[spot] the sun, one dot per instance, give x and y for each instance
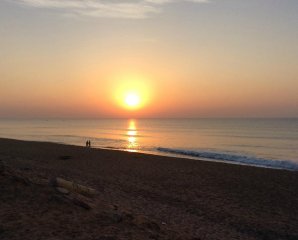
(131, 92)
(132, 100)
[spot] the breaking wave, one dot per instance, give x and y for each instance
(261, 162)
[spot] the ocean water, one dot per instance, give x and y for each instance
(259, 142)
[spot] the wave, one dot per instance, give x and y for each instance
(249, 160)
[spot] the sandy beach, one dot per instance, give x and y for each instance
(140, 196)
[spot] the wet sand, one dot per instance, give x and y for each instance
(140, 196)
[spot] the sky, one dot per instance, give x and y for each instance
(187, 58)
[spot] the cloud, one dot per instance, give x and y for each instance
(105, 8)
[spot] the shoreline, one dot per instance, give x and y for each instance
(156, 197)
(293, 168)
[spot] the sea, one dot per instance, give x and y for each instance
(270, 143)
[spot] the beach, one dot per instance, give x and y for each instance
(140, 196)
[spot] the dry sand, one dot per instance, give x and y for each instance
(140, 196)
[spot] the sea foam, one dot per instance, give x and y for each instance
(235, 158)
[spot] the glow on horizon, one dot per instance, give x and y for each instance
(138, 59)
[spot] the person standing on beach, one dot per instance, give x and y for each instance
(88, 143)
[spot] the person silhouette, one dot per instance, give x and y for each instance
(87, 143)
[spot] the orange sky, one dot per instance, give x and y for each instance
(185, 59)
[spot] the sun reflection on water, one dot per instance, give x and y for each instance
(132, 143)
